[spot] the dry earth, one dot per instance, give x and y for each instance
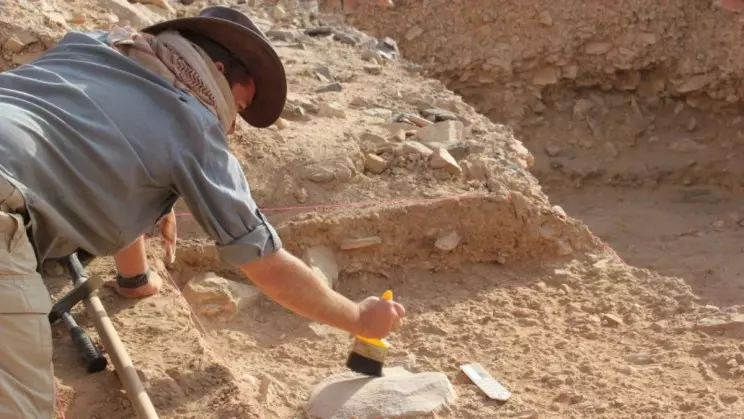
(630, 111)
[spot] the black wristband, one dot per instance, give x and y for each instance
(133, 282)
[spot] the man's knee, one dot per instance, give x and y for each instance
(26, 372)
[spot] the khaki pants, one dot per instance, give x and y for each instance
(26, 374)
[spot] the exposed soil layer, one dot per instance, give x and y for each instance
(503, 55)
(626, 112)
(631, 110)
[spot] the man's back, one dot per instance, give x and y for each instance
(84, 122)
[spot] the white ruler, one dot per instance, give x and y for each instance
(485, 381)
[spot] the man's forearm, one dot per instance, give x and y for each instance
(132, 261)
(289, 282)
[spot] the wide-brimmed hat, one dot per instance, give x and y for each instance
(238, 34)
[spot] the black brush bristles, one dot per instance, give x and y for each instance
(363, 365)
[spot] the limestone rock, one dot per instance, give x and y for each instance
(331, 110)
(441, 132)
(442, 159)
(478, 168)
(324, 74)
(448, 242)
(278, 13)
(398, 393)
(345, 38)
(281, 123)
(319, 174)
(375, 163)
(351, 244)
(418, 121)
(414, 147)
(18, 41)
(545, 18)
(461, 149)
(570, 71)
(323, 262)
(525, 159)
(545, 76)
(695, 83)
(301, 195)
(331, 87)
(379, 112)
(138, 15)
(527, 414)
(388, 48)
(563, 248)
(373, 69)
(598, 48)
(612, 320)
(372, 56)
(302, 102)
(319, 31)
(369, 137)
(438, 115)
(414, 33)
(282, 35)
(160, 4)
(214, 296)
(732, 326)
(396, 128)
(359, 102)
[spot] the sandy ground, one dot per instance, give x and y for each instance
(532, 294)
(698, 239)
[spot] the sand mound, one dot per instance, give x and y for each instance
(411, 189)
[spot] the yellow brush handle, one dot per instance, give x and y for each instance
(388, 296)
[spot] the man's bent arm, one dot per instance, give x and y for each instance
(211, 181)
(291, 283)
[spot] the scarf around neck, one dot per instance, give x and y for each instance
(183, 64)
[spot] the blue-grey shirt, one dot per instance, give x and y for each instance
(101, 147)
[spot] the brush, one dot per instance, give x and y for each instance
(367, 356)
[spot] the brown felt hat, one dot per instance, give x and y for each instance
(238, 34)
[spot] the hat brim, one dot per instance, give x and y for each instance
(253, 51)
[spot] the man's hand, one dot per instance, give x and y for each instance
(736, 6)
(377, 318)
(288, 281)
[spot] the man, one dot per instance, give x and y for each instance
(100, 136)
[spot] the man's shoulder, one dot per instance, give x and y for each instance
(82, 46)
(98, 36)
(86, 38)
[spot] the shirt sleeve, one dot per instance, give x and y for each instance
(210, 180)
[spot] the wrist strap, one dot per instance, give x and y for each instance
(133, 282)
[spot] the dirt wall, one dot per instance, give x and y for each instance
(502, 56)
(505, 228)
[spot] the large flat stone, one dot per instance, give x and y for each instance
(398, 393)
(213, 296)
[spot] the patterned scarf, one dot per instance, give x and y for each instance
(187, 67)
